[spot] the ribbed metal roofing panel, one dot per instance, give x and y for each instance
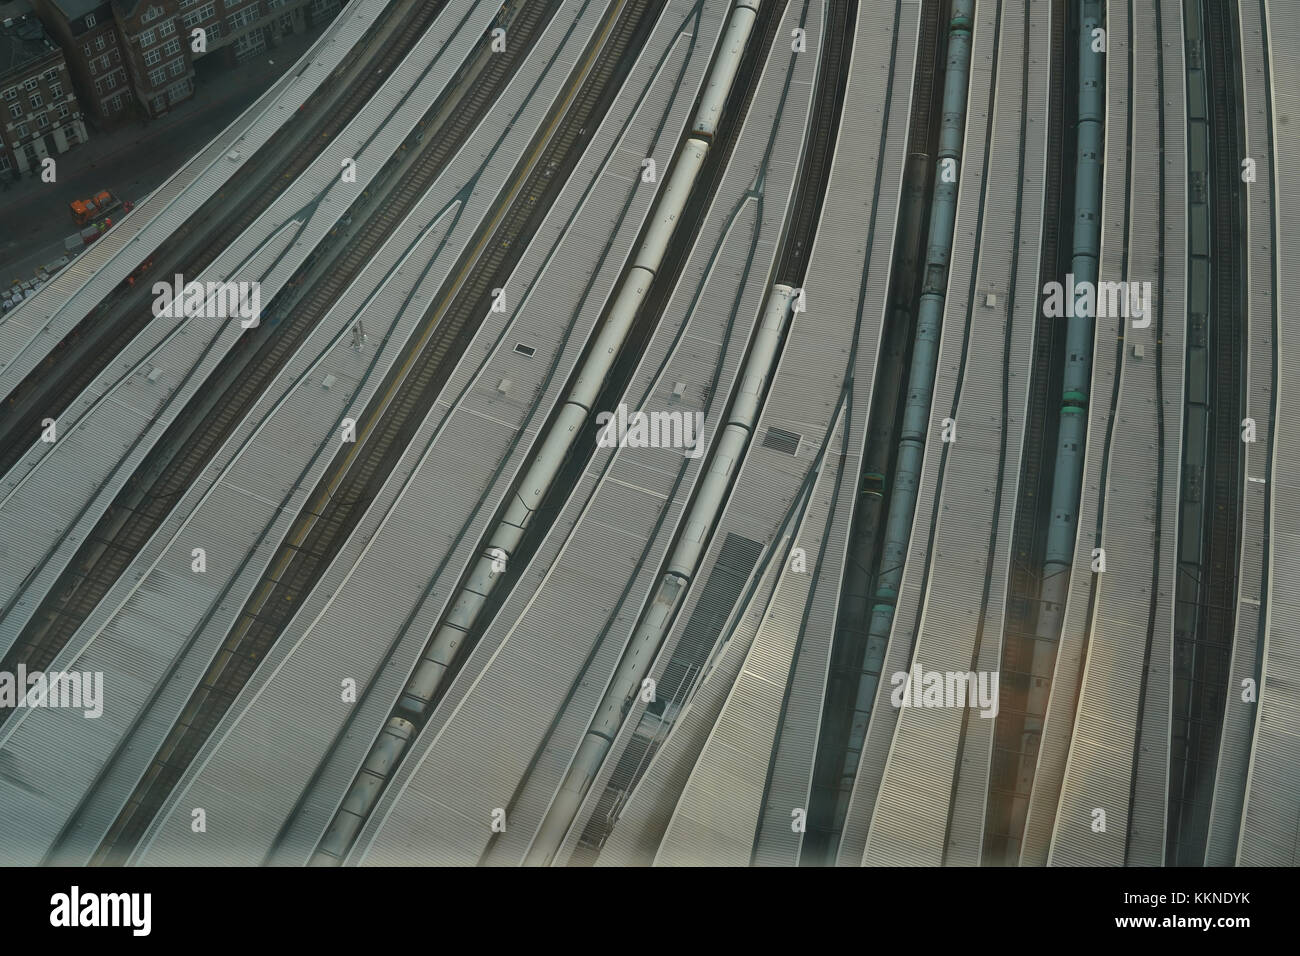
(555, 317)
(720, 619)
(1151, 780)
(1272, 805)
(670, 673)
(845, 298)
(969, 511)
(719, 810)
(718, 317)
(764, 499)
(922, 776)
(276, 455)
(1120, 744)
(1260, 318)
(269, 252)
(28, 333)
(1058, 723)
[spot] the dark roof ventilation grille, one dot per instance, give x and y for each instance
(779, 439)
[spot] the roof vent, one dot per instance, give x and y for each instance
(778, 439)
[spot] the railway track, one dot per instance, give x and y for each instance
(111, 325)
(832, 80)
(1209, 533)
(110, 548)
(385, 429)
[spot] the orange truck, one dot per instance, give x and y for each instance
(87, 211)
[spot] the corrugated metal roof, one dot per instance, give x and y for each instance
(1058, 723)
(719, 809)
(1120, 743)
(640, 796)
(275, 456)
(446, 491)
(581, 639)
(963, 553)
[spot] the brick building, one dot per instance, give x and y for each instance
(89, 36)
(156, 53)
(135, 58)
(40, 115)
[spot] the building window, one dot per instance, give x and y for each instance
(153, 13)
(159, 104)
(156, 77)
(90, 20)
(172, 47)
(11, 93)
(56, 91)
(249, 44)
(242, 17)
(206, 12)
(15, 110)
(177, 67)
(36, 101)
(21, 130)
(4, 163)
(31, 84)
(147, 37)
(63, 111)
(42, 121)
(99, 42)
(71, 133)
(152, 57)
(167, 28)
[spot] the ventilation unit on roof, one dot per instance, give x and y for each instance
(781, 440)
